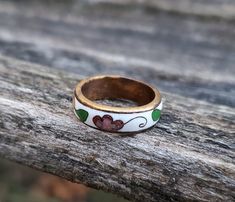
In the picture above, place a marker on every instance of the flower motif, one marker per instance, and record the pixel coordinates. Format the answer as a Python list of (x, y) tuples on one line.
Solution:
[(106, 123)]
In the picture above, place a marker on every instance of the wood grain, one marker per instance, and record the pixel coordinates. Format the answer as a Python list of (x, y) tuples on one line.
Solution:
[(188, 156), (208, 8), (187, 56), (46, 50)]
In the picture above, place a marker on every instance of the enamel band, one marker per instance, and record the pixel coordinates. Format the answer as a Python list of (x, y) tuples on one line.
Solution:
[(117, 119)]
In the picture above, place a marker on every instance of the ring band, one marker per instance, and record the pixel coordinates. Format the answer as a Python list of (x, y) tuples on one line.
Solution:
[(112, 118)]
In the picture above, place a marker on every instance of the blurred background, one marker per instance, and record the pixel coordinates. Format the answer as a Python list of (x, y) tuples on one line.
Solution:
[(186, 45), (22, 184)]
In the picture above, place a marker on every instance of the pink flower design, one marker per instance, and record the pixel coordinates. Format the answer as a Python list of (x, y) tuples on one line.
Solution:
[(106, 123)]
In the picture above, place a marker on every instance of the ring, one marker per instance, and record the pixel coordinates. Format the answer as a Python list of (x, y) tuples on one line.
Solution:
[(112, 118)]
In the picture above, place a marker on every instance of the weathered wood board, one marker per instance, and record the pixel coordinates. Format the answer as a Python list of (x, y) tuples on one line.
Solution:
[(208, 8), (45, 50)]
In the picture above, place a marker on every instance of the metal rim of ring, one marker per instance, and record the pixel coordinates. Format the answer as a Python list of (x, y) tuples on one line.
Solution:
[(117, 119)]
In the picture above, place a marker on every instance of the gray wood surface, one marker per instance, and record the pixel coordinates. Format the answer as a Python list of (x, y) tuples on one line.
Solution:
[(209, 8), (45, 50)]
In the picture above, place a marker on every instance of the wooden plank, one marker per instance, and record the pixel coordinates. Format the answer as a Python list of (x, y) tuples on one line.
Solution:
[(170, 43), (204, 8), (196, 59), (211, 8), (188, 156)]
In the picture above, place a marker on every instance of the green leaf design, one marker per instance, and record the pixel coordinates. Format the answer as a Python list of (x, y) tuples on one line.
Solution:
[(156, 114), (82, 114)]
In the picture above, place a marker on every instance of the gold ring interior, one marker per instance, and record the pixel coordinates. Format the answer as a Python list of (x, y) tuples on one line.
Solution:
[(115, 87)]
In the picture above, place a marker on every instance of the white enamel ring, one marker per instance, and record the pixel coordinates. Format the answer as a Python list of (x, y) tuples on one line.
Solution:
[(117, 119)]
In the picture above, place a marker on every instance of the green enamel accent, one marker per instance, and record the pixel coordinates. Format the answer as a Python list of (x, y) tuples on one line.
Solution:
[(156, 114), (82, 114)]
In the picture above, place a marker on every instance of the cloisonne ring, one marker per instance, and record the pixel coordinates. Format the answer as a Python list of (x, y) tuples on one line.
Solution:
[(112, 118)]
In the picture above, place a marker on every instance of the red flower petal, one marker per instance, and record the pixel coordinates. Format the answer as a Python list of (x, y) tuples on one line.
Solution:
[(106, 123)]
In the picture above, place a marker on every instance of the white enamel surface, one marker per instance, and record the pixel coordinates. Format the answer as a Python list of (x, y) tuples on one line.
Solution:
[(131, 126)]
